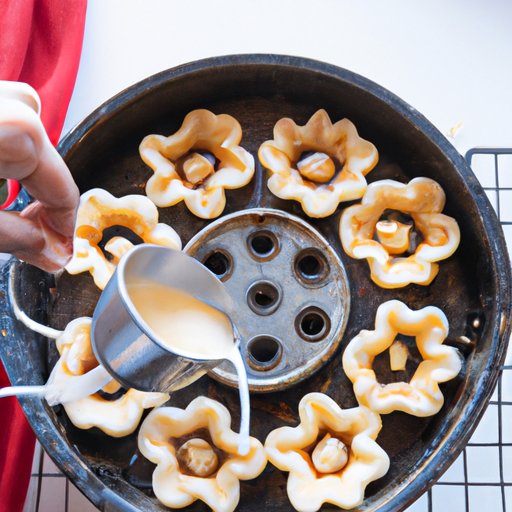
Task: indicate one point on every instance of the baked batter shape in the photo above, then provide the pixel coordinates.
(164, 427)
(335, 172)
(117, 418)
(423, 200)
(99, 210)
(420, 396)
(289, 449)
(183, 173)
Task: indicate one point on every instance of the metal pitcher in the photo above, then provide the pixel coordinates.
(126, 346)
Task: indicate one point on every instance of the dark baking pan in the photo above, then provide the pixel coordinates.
(258, 90)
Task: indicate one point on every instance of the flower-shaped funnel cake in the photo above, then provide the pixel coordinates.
(386, 244)
(116, 417)
(197, 163)
(421, 396)
(188, 466)
(331, 455)
(319, 164)
(100, 210)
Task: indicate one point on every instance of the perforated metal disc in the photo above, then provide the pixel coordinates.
(290, 290)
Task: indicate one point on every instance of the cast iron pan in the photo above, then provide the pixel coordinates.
(258, 90)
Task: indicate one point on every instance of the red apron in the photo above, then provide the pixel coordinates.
(40, 44)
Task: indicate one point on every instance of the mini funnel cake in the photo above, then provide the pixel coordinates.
(400, 252)
(116, 417)
(421, 396)
(100, 210)
(197, 163)
(331, 455)
(319, 164)
(196, 453)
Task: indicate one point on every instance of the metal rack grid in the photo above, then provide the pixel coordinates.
(481, 477)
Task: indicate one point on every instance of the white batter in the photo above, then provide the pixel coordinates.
(193, 328)
(181, 322)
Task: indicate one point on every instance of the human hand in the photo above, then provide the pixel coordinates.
(42, 234)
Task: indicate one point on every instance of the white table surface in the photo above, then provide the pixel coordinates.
(450, 59)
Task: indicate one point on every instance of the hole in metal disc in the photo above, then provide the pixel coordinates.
(311, 266)
(264, 352)
(263, 244)
(312, 324)
(263, 297)
(219, 263)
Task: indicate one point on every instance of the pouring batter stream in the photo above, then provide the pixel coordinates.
(192, 328)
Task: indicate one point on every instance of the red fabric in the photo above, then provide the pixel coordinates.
(13, 188)
(40, 43)
(16, 452)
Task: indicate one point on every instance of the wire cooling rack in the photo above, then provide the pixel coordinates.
(481, 477)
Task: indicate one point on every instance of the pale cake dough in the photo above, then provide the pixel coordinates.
(319, 164)
(117, 418)
(383, 243)
(99, 210)
(197, 163)
(177, 479)
(331, 456)
(420, 396)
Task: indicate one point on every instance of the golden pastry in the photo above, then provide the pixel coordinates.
(100, 210)
(319, 164)
(331, 456)
(116, 417)
(197, 163)
(196, 454)
(420, 396)
(395, 259)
